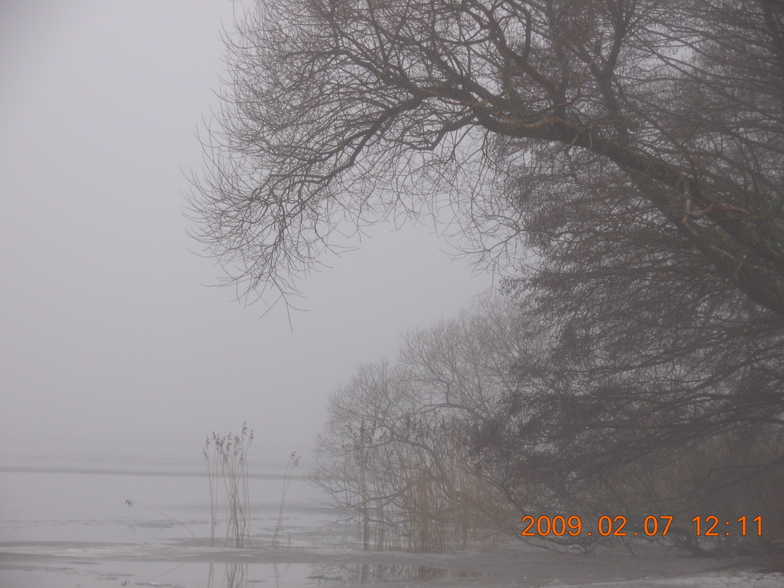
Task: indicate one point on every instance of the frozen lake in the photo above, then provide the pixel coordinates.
(64, 523)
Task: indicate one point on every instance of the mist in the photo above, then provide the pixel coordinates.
(448, 415)
(114, 328)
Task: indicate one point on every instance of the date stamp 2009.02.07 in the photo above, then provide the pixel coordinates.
(653, 526)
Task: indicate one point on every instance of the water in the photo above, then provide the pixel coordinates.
(66, 522)
(67, 515)
(61, 497)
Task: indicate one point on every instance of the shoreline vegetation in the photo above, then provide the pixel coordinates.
(227, 462)
(309, 554)
(449, 448)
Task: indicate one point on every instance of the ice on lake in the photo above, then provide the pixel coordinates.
(65, 523)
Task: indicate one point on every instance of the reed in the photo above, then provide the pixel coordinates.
(290, 465)
(227, 461)
(418, 495)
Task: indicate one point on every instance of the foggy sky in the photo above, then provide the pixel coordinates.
(108, 331)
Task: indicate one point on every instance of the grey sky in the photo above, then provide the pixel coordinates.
(107, 333)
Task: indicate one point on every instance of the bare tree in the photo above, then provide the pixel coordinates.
(342, 112)
(394, 447)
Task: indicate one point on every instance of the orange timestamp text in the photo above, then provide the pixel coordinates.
(607, 526)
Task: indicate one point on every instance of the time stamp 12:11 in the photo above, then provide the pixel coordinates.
(606, 526)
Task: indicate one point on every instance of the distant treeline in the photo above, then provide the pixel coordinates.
(497, 414)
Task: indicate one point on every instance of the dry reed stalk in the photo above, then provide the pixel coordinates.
(363, 488)
(229, 460)
(292, 463)
(417, 493)
(212, 480)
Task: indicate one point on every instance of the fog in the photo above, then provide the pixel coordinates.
(111, 333)
(120, 351)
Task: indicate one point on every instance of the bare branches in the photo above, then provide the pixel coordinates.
(497, 412)
(346, 112)
(394, 450)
